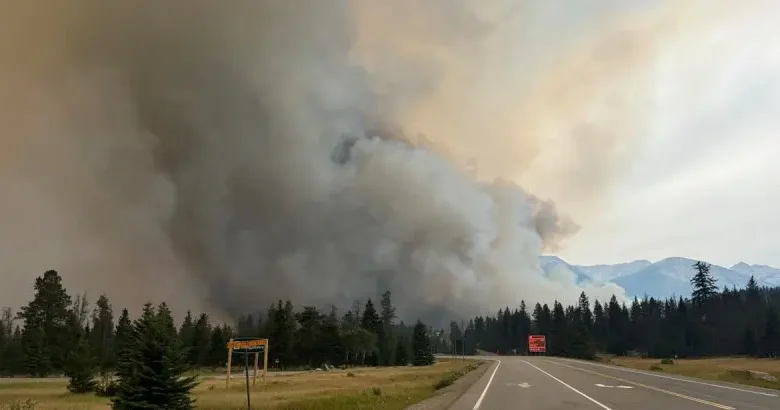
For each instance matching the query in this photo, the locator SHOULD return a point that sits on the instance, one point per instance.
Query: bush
(667, 361)
(657, 368)
(106, 387)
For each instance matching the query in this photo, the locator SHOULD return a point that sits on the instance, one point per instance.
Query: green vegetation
(150, 363)
(711, 323)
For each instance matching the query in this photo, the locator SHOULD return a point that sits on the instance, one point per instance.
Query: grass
(729, 369)
(359, 388)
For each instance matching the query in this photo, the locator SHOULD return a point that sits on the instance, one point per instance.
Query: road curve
(546, 383)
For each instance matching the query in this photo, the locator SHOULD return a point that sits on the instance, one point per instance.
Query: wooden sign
(247, 344)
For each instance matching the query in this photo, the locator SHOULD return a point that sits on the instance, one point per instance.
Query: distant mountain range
(668, 277)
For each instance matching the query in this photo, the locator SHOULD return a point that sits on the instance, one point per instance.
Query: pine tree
(331, 339)
(102, 335)
(187, 330)
(385, 336)
(771, 339)
(282, 334)
(371, 323)
(704, 284)
(560, 331)
(79, 367)
(401, 352)
(218, 351)
(421, 346)
(307, 337)
(124, 328)
(151, 372)
(46, 333)
(581, 344)
(200, 343)
(600, 326)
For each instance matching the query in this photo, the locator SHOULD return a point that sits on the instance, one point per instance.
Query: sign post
(537, 344)
(248, 345)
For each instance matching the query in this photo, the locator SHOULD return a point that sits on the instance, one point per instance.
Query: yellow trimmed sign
(246, 344)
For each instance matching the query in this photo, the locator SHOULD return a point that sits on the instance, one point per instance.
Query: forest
(710, 322)
(58, 334)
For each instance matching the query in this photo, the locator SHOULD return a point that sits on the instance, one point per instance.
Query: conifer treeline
(47, 335)
(709, 323)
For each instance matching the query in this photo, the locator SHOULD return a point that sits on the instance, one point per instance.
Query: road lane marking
(610, 386)
(571, 388)
(675, 378)
(524, 385)
(671, 393)
(484, 392)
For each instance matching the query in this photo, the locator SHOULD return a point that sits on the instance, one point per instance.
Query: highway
(545, 383)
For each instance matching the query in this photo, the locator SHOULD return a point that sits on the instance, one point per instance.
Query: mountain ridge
(664, 278)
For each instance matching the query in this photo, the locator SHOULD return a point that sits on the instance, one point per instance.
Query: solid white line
(484, 392)
(672, 378)
(571, 388)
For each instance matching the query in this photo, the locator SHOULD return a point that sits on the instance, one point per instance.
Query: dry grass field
(361, 388)
(729, 369)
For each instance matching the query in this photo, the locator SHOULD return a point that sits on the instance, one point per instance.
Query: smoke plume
(222, 155)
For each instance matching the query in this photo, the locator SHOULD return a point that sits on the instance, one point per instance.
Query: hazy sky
(705, 181)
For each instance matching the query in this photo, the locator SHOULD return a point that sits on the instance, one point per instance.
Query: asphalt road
(541, 383)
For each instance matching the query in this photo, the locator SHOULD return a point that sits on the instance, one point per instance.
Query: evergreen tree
(218, 350)
(581, 343)
(187, 330)
(46, 325)
(151, 374)
(330, 338)
(124, 328)
(371, 322)
(79, 366)
(307, 337)
(200, 342)
(385, 337)
(401, 352)
(771, 339)
(421, 346)
(560, 331)
(282, 332)
(600, 326)
(704, 284)
(102, 334)
(6, 340)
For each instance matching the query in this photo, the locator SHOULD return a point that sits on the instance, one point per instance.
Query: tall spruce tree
(371, 322)
(704, 284)
(102, 335)
(421, 346)
(151, 373)
(385, 336)
(124, 328)
(200, 342)
(771, 339)
(79, 366)
(46, 332)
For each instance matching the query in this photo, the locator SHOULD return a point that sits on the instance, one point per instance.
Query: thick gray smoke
(222, 155)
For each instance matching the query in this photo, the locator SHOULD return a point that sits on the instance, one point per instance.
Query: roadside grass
(728, 369)
(356, 388)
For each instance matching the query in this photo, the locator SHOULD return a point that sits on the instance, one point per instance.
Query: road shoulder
(447, 396)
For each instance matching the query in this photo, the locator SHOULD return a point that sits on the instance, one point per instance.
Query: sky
(704, 182)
